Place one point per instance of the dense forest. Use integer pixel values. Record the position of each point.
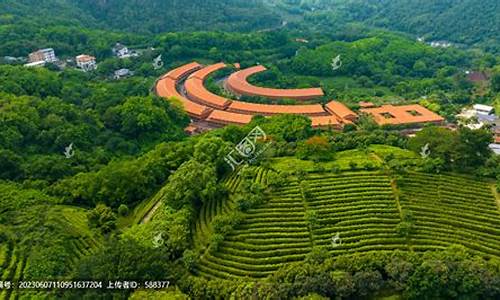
(146, 16)
(461, 22)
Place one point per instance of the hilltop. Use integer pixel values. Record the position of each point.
(146, 16)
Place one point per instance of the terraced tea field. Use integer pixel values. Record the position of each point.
(451, 209)
(353, 212)
(78, 241)
(270, 235)
(359, 208)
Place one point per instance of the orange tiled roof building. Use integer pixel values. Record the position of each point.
(238, 84)
(186, 84)
(402, 114)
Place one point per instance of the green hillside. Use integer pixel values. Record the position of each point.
(460, 21)
(368, 211)
(146, 16)
(39, 239)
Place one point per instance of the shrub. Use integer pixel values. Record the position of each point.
(102, 217)
(367, 282)
(301, 174)
(317, 255)
(189, 258)
(275, 179)
(244, 202)
(319, 167)
(223, 224)
(406, 226)
(215, 242)
(312, 218)
(343, 283)
(369, 166)
(404, 229)
(123, 210)
(305, 190)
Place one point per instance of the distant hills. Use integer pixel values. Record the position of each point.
(469, 22)
(146, 16)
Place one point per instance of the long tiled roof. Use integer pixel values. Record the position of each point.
(325, 121)
(203, 73)
(225, 117)
(237, 82)
(197, 91)
(339, 109)
(182, 71)
(403, 114)
(166, 88)
(270, 109)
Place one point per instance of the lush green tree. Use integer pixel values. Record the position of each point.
(113, 263)
(10, 165)
(123, 210)
(102, 217)
(472, 148)
(315, 148)
(440, 143)
(191, 185)
(143, 117)
(289, 128)
(212, 150)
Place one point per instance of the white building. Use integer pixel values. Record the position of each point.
(495, 148)
(121, 51)
(440, 44)
(122, 73)
(483, 109)
(36, 64)
(47, 55)
(86, 62)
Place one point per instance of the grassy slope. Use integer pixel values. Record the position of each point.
(363, 208)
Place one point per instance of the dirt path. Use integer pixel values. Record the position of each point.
(151, 213)
(374, 155)
(497, 196)
(396, 196)
(306, 210)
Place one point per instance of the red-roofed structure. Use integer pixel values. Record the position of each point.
(238, 84)
(403, 114)
(196, 90)
(270, 109)
(221, 117)
(326, 122)
(206, 71)
(217, 111)
(182, 71)
(366, 104)
(339, 109)
(166, 87)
